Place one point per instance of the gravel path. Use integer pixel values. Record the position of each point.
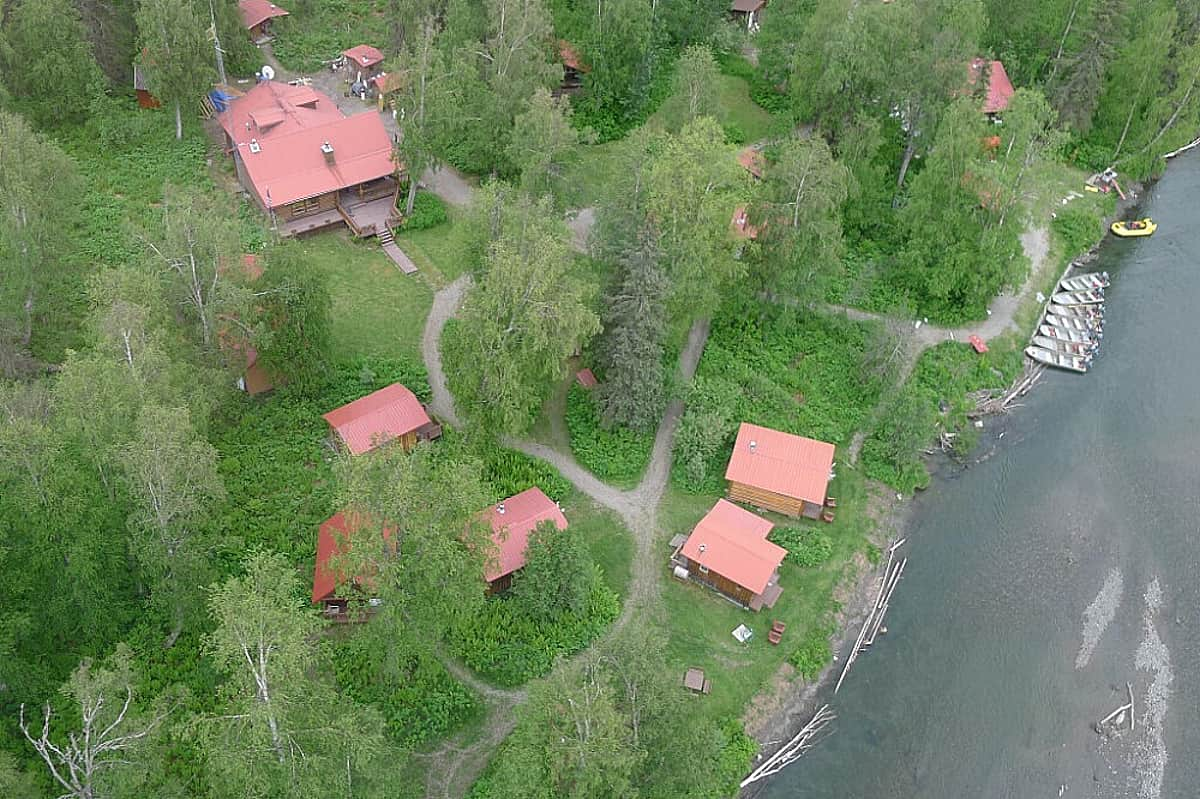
(580, 222)
(453, 768)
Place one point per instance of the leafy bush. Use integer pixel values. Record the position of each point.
(417, 697)
(428, 211)
(737, 753)
(616, 455)
(814, 652)
(761, 90)
(805, 547)
(1078, 228)
(733, 133)
(508, 645)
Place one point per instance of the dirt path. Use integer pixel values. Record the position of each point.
(449, 184)
(453, 768)
(580, 222)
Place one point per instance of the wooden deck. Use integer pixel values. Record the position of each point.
(767, 598)
(368, 218)
(306, 224)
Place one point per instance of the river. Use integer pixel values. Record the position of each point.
(1040, 580)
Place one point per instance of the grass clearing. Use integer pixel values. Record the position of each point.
(440, 251)
(608, 540)
(320, 31)
(737, 112)
(377, 310)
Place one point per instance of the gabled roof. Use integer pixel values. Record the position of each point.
(256, 12)
(752, 161)
(511, 528)
(381, 415)
(740, 224)
(781, 463)
(746, 6)
(733, 543)
(364, 55)
(333, 541)
(570, 57)
(280, 130)
(999, 89)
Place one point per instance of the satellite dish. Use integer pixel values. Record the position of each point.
(268, 72)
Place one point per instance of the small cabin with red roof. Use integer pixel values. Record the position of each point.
(363, 58)
(728, 551)
(309, 165)
(748, 11)
(333, 544)
(255, 378)
(573, 66)
(391, 413)
(740, 225)
(257, 16)
(778, 471)
(751, 159)
(999, 87)
(513, 520)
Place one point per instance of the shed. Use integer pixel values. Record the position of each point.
(333, 542)
(362, 56)
(586, 378)
(751, 159)
(512, 521)
(390, 413)
(999, 87)
(231, 337)
(778, 471)
(144, 98)
(729, 552)
(749, 10)
(257, 16)
(740, 224)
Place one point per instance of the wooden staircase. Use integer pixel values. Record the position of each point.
(388, 242)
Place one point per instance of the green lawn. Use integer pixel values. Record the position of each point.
(737, 110)
(439, 251)
(377, 310)
(701, 622)
(320, 30)
(609, 541)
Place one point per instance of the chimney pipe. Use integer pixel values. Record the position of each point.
(327, 149)
(753, 445)
(703, 547)
(500, 509)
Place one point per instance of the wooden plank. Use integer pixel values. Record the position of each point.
(397, 255)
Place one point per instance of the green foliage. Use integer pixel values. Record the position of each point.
(428, 211)
(805, 546)
(509, 645)
(814, 652)
(319, 31)
(297, 312)
(736, 756)
(761, 91)
(510, 472)
(557, 577)
(1079, 229)
(418, 698)
(616, 455)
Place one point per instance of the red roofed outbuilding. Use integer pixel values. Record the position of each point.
(306, 163)
(729, 552)
(364, 57)
(786, 473)
(999, 87)
(740, 225)
(512, 521)
(257, 16)
(390, 413)
(751, 159)
(333, 542)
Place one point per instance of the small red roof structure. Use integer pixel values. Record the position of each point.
(586, 379)
(570, 57)
(747, 6)
(391, 412)
(979, 344)
(999, 87)
(363, 56)
(740, 224)
(752, 161)
(333, 541)
(512, 521)
(733, 543)
(256, 12)
(781, 464)
(294, 144)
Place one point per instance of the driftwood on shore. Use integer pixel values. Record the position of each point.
(988, 402)
(1116, 719)
(793, 749)
(873, 625)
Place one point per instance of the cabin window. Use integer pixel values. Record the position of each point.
(703, 569)
(306, 206)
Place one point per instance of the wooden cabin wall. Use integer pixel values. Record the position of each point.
(290, 211)
(761, 498)
(719, 582)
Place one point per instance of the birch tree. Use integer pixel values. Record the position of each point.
(694, 88)
(543, 141)
(112, 729)
(50, 62)
(175, 53)
(283, 732)
(423, 102)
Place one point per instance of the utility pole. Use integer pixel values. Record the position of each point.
(217, 44)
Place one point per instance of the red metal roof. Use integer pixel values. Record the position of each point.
(746, 6)
(570, 58)
(381, 415)
(333, 540)
(752, 161)
(364, 55)
(288, 125)
(781, 463)
(256, 12)
(733, 543)
(999, 89)
(740, 224)
(510, 529)
(586, 378)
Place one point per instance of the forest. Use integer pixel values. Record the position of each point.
(160, 524)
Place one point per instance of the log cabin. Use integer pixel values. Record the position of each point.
(752, 160)
(512, 521)
(331, 590)
(728, 551)
(999, 87)
(748, 12)
(777, 471)
(573, 66)
(362, 59)
(257, 16)
(235, 343)
(391, 413)
(309, 166)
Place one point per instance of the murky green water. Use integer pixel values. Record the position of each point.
(984, 686)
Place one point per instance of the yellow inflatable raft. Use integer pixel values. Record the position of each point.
(1136, 227)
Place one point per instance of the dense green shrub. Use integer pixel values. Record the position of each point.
(508, 645)
(761, 90)
(508, 471)
(616, 455)
(813, 653)
(1078, 228)
(428, 211)
(417, 697)
(806, 547)
(319, 31)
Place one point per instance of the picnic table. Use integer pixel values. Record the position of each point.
(694, 681)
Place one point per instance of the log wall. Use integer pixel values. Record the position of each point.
(720, 583)
(760, 498)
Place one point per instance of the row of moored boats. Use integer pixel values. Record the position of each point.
(1070, 331)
